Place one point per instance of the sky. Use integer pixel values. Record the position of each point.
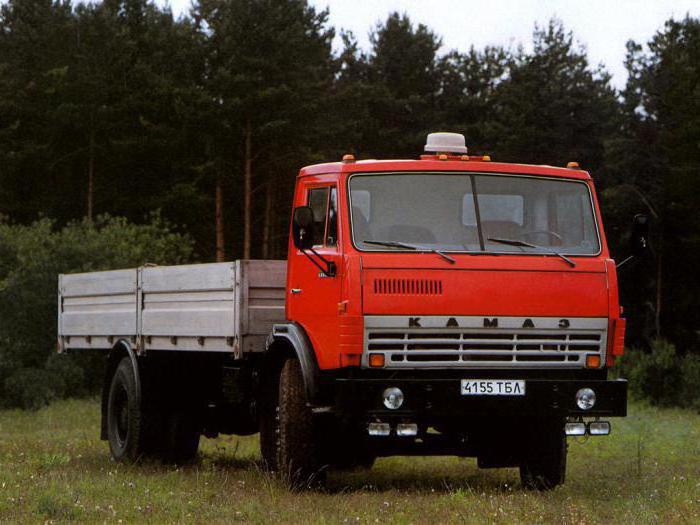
(603, 26)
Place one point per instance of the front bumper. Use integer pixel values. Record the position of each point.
(441, 399)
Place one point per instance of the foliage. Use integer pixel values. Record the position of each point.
(117, 107)
(658, 154)
(661, 376)
(31, 257)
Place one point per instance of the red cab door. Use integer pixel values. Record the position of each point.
(312, 294)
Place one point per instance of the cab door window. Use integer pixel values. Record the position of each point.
(324, 203)
(332, 223)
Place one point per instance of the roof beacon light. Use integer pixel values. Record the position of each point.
(446, 143)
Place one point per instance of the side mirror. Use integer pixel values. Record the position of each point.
(640, 235)
(303, 227)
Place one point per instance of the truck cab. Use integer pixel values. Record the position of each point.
(458, 305)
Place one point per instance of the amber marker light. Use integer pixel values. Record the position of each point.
(592, 361)
(376, 360)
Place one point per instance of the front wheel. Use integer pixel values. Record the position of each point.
(297, 455)
(544, 463)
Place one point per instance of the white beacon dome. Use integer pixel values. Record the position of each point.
(444, 142)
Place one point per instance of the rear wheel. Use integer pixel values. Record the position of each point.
(127, 429)
(544, 463)
(269, 422)
(297, 456)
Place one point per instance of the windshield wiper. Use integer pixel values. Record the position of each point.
(397, 244)
(514, 242)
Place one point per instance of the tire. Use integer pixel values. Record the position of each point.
(127, 430)
(544, 463)
(297, 457)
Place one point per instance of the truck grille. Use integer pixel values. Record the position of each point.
(509, 345)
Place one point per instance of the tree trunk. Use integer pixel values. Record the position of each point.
(247, 190)
(267, 227)
(91, 177)
(219, 215)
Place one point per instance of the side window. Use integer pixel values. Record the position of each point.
(318, 201)
(332, 230)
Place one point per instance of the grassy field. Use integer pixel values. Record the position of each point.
(53, 468)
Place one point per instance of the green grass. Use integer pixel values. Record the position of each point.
(53, 468)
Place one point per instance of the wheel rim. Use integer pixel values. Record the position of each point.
(120, 414)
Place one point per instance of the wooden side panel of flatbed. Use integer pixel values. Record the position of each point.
(219, 307)
(93, 310)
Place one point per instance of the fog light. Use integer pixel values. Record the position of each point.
(393, 398)
(585, 398)
(406, 429)
(379, 429)
(599, 428)
(575, 429)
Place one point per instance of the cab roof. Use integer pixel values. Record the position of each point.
(451, 164)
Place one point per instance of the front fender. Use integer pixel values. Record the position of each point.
(295, 337)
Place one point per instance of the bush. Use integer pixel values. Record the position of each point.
(31, 257)
(31, 388)
(661, 376)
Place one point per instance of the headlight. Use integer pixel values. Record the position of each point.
(393, 398)
(585, 398)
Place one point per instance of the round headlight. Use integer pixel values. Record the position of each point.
(393, 398)
(585, 398)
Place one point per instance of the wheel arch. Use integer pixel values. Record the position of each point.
(290, 340)
(119, 351)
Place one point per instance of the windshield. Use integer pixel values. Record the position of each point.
(472, 213)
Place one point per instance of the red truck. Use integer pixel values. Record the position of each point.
(449, 305)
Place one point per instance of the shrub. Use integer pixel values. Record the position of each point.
(31, 257)
(661, 376)
(31, 388)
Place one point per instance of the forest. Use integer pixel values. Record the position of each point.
(129, 135)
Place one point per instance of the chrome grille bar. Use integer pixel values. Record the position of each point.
(478, 342)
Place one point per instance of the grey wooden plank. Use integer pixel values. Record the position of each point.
(98, 283)
(191, 277)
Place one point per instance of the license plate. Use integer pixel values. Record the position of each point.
(493, 387)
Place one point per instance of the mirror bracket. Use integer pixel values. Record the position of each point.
(330, 269)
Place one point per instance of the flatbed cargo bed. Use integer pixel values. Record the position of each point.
(218, 307)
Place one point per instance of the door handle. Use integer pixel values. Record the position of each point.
(295, 290)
